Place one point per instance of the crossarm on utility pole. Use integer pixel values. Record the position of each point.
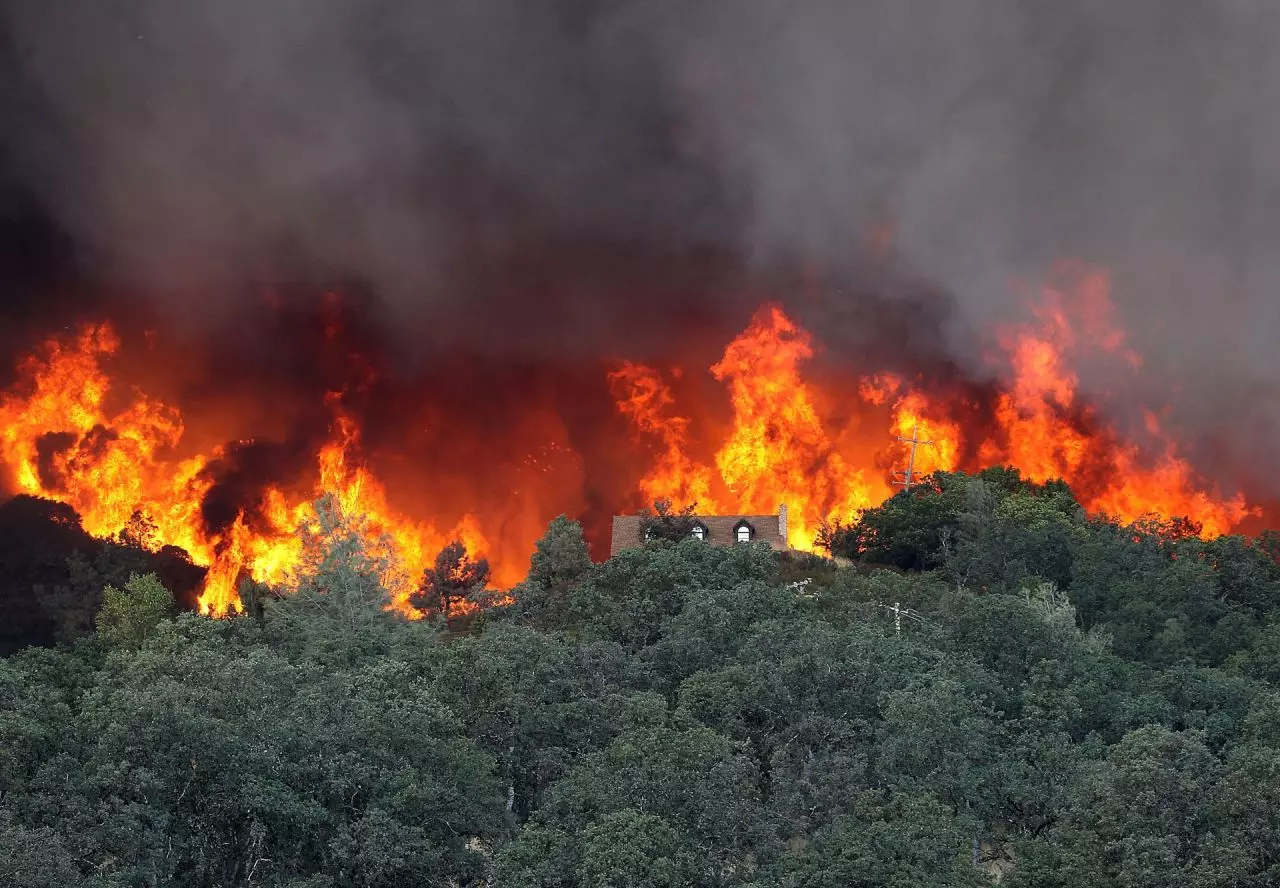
(915, 442)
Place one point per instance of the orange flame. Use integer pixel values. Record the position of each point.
(777, 451)
(824, 450)
(645, 398)
(939, 450)
(779, 448)
(1109, 475)
(61, 443)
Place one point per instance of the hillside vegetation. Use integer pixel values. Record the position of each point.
(1057, 701)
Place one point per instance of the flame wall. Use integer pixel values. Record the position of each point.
(489, 454)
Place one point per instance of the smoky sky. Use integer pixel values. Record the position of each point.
(580, 174)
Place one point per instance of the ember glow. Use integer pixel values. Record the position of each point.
(826, 449)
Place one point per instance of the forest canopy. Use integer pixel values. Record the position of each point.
(985, 685)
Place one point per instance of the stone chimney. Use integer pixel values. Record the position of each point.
(782, 525)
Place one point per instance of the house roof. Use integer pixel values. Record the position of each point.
(769, 529)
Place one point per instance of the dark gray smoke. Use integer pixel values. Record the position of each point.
(511, 172)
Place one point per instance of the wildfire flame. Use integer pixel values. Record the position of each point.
(1110, 475)
(61, 443)
(779, 450)
(789, 441)
(643, 396)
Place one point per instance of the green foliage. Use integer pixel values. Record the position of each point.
(52, 573)
(206, 756)
(628, 597)
(907, 531)
(898, 841)
(664, 522)
(561, 556)
(678, 800)
(1066, 703)
(536, 702)
(559, 560)
(1007, 540)
(637, 850)
(34, 858)
(992, 528)
(337, 611)
(129, 615)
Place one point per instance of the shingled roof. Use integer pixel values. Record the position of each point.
(721, 530)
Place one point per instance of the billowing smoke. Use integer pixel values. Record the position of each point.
(594, 177)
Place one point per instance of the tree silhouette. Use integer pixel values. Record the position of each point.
(664, 523)
(453, 577)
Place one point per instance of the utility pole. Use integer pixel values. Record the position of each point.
(899, 612)
(909, 475)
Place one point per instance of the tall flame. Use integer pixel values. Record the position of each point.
(643, 396)
(826, 451)
(779, 448)
(1110, 475)
(60, 442)
(778, 451)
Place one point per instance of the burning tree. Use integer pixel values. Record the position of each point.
(454, 576)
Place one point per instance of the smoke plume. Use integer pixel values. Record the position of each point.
(589, 178)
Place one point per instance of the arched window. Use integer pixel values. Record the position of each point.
(699, 532)
(742, 533)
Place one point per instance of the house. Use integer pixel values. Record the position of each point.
(717, 530)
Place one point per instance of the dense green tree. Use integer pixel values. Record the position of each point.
(1005, 541)
(337, 608)
(898, 841)
(939, 736)
(542, 857)
(1262, 661)
(52, 572)
(202, 759)
(1066, 702)
(537, 702)
(906, 531)
(689, 792)
(628, 598)
(921, 528)
(638, 850)
(665, 522)
(129, 615)
(559, 560)
(1142, 818)
(34, 858)
(712, 625)
(1246, 800)
(1153, 591)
